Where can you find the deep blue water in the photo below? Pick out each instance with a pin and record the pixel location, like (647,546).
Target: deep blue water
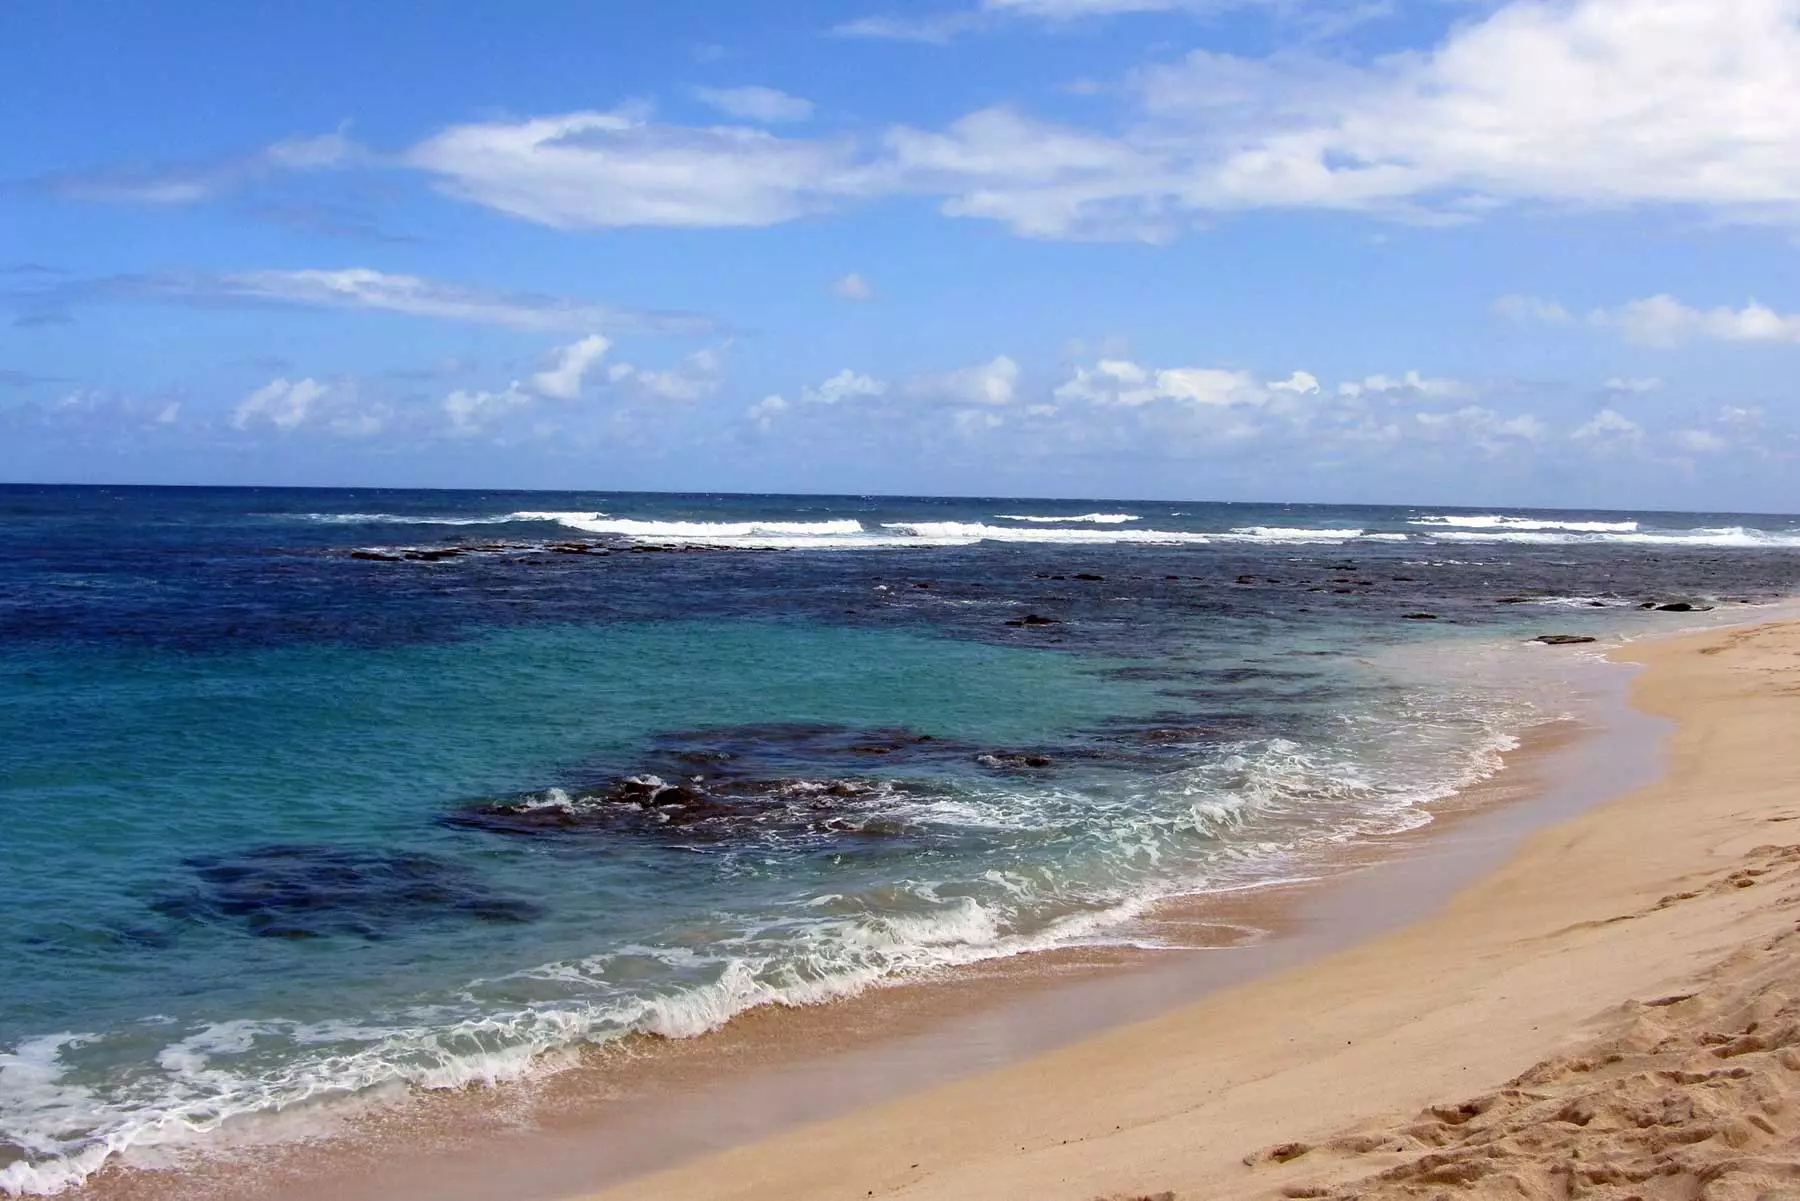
(307,791)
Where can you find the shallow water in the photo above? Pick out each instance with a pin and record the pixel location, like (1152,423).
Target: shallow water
(292,813)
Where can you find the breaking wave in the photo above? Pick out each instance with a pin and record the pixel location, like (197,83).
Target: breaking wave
(1091,518)
(1496,521)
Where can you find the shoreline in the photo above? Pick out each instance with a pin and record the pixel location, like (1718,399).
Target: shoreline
(622,1112)
(1633,902)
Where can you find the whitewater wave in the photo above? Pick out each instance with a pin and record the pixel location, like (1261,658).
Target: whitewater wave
(1281,533)
(1091,518)
(1728,538)
(417,519)
(1498,521)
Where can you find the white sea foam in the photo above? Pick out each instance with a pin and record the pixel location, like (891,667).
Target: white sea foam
(1281,533)
(1091,518)
(1498,521)
(419,519)
(1730,538)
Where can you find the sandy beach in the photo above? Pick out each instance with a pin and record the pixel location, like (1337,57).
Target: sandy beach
(1610,1013)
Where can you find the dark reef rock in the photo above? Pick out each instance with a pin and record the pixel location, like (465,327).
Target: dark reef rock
(1419,616)
(1013,760)
(1563,639)
(786,782)
(1090,577)
(302,891)
(1682,607)
(1033,619)
(699,809)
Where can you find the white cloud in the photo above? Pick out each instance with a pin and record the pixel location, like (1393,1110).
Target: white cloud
(766,105)
(1663,321)
(598,170)
(763,413)
(1411,383)
(1123,383)
(1582,103)
(1044,180)
(845,385)
(994,382)
(1590,102)
(573,362)
(1639,386)
(471,411)
(363,288)
(1301,383)
(1593,104)
(694,378)
(283,404)
(1609,424)
(853,287)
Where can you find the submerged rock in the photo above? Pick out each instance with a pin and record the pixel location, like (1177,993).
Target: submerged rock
(698,808)
(1563,639)
(1033,619)
(1013,760)
(304,891)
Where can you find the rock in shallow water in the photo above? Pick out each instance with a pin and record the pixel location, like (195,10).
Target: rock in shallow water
(303,891)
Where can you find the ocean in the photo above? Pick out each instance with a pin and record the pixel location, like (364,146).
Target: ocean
(313,792)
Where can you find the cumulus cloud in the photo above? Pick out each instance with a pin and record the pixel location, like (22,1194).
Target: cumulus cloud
(1663,321)
(766,105)
(1123,383)
(282,404)
(1587,103)
(573,362)
(472,411)
(764,412)
(853,287)
(1634,386)
(845,385)
(694,378)
(1609,424)
(1412,383)
(994,382)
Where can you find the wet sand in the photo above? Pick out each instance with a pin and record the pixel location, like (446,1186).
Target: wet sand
(692,1109)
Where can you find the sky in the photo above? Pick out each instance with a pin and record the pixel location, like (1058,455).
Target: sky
(1481,252)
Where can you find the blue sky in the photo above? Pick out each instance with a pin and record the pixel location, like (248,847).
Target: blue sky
(1434,251)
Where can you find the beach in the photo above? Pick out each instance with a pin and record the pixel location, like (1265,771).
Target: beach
(1609,1010)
